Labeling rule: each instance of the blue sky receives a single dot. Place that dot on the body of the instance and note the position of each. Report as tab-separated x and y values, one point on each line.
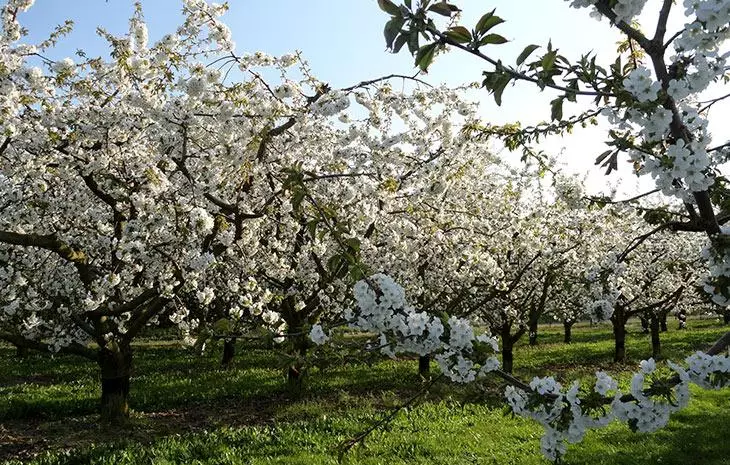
342	39
343	42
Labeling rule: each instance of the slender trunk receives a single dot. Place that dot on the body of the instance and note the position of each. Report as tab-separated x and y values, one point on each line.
295	372
532	332
229	351
619	338
424	365
568	330
116	366
656	345
726	317
644	324
663	322
682	318
507	349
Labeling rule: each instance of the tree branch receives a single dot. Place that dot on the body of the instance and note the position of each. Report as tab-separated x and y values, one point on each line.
52	243
73	349
515	74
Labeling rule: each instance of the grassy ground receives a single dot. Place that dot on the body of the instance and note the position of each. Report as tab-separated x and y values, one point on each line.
187	410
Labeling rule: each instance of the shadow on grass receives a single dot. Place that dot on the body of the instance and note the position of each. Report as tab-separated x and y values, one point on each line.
696	435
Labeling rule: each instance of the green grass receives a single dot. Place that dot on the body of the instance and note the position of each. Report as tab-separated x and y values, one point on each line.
187	410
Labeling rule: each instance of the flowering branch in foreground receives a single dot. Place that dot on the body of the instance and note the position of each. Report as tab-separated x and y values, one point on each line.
566	414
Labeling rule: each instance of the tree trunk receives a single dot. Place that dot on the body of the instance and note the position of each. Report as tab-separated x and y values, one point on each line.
295	372
726	317
229	351
532	333
424	365
682	318
663	322
644	324
116	367
507	349
619	338
656	345
568	328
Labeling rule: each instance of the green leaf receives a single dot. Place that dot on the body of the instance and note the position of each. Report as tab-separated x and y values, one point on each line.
425	55
391	30
312	228
353	243
389	7
459	34
334	264
603	156
444	9
487	22
573	86
548	60
526	53
399	42
297	198
356	273
413	42
496	82
492	39
556	109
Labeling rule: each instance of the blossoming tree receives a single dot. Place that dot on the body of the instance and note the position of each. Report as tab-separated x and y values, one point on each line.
132	184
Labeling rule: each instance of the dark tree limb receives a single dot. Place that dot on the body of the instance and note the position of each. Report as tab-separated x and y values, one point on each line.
73	349
50	242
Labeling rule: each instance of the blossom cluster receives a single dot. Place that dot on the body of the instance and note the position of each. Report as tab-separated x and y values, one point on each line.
568	414
383	309
625	10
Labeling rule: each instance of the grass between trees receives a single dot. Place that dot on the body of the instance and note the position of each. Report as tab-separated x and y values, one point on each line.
189	410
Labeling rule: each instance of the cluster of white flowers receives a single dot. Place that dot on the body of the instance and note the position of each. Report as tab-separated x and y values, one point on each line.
331	104
317	335
286	90
138	34
626	10
709	371
384	310
565	421
569	190
641	85
645	410
604	281
718	264
201	220
64	67
205	297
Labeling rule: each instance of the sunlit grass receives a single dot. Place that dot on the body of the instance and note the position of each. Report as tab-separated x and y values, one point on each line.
247	415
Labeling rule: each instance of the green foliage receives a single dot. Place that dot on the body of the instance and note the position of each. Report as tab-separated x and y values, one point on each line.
526	53
425	56
487	22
